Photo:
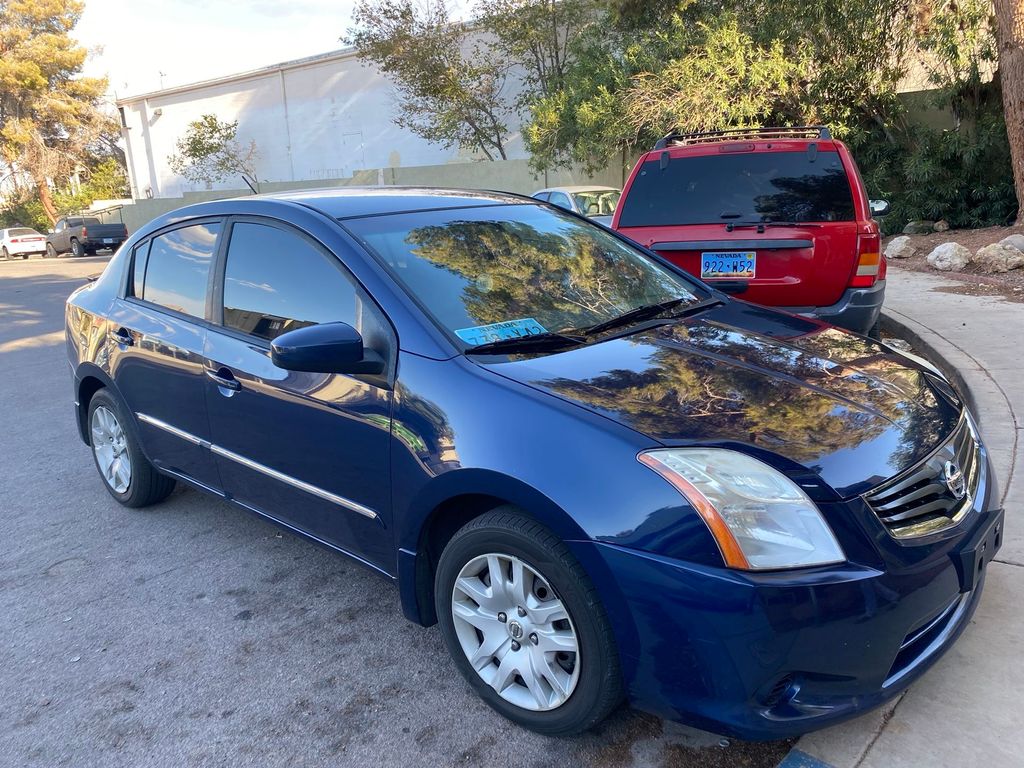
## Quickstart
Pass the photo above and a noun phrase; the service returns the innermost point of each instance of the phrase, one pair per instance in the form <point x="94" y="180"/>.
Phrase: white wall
<point x="322" y="119"/>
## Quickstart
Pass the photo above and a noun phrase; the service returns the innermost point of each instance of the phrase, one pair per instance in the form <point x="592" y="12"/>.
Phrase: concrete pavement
<point x="966" y="710"/>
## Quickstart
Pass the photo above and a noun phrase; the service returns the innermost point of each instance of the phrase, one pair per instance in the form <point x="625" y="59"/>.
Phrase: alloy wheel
<point x="516" y="632"/>
<point x="110" y="446"/>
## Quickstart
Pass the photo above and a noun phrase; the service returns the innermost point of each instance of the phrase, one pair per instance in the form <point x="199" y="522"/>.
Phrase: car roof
<point x="578" y="188"/>
<point x="355" y="202"/>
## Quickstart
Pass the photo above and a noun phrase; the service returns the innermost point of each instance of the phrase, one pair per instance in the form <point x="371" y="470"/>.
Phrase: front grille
<point x="919" y="501"/>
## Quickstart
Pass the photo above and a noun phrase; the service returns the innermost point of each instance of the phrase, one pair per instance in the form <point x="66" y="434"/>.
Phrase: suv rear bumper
<point x="857" y="310"/>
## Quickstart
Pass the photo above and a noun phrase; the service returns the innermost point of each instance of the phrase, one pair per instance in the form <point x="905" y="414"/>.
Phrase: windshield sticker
<point x="510" y="329"/>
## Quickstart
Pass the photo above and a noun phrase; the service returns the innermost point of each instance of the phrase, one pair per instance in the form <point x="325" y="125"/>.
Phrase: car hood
<point x="848" y="409"/>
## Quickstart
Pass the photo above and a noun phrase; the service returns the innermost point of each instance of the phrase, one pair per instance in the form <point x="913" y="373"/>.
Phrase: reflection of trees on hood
<point x="687" y="395"/>
<point x="516" y="271"/>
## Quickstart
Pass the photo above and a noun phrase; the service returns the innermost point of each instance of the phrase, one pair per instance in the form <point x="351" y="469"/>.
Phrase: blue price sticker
<point x="510" y="329"/>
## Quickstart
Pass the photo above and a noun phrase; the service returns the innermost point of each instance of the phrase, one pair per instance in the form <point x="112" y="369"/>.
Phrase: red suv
<point x="779" y="216"/>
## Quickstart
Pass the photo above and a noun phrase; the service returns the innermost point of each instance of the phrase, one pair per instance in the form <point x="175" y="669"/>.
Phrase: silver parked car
<point x="594" y="202"/>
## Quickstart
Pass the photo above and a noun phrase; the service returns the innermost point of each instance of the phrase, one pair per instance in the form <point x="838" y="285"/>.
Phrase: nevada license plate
<point x="727" y="264"/>
<point x="108" y="240"/>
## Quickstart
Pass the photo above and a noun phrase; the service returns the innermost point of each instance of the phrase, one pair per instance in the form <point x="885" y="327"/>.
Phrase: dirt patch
<point x="971" y="281"/>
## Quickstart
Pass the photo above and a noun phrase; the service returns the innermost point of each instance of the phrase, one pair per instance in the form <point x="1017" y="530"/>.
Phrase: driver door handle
<point x="222" y="377"/>
<point x="121" y="336"/>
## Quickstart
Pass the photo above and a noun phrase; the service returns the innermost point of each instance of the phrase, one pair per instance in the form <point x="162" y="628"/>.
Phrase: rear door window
<point x="739" y="187"/>
<point x="178" y="268"/>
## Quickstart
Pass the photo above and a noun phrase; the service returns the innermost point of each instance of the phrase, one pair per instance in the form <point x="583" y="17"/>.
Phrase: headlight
<point x="760" y="518"/>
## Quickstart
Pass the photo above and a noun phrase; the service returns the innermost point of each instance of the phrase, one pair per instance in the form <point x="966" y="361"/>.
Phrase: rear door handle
<point x="121" y="336"/>
<point x="222" y="377"/>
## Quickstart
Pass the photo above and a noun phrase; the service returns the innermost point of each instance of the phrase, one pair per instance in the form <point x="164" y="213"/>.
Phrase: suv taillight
<point x="870" y="261"/>
<point x="85" y="232"/>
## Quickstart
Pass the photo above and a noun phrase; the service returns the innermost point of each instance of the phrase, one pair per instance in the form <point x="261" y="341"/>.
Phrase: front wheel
<point x="51" y="252"/>
<point x="525" y="626"/>
<point x="6" y="254"/>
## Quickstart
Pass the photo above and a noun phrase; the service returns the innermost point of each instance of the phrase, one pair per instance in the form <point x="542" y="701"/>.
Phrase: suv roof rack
<point x="739" y="134"/>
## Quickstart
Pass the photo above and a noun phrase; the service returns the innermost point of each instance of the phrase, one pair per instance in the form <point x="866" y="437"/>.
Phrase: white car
<point x="21" y="241"/>
<point x="596" y="203"/>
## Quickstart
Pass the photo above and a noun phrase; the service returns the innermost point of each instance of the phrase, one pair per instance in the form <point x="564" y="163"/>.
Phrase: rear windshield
<point x="21" y="231"/>
<point x="741" y="187"/>
<point x="88" y="222"/>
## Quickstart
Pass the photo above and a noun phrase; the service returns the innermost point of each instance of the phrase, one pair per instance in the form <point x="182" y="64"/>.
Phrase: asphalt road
<point x="195" y="634"/>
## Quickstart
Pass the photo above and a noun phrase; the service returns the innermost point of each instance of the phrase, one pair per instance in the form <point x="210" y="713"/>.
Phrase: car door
<point x="57" y="238"/>
<point x="155" y="342"/>
<point x="308" y="449"/>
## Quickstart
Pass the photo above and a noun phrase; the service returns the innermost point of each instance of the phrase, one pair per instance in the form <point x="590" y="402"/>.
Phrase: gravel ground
<point x="972" y="281"/>
<point x="194" y="634"/>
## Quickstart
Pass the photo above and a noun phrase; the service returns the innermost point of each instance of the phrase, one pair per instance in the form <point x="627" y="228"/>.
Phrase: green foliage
<point x="209" y="152"/>
<point x="51" y="118"/>
<point x="24" y="210"/>
<point x="450" y="91"/>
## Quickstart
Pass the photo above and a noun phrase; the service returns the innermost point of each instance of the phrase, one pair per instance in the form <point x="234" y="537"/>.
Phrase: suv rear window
<point x="739" y="187"/>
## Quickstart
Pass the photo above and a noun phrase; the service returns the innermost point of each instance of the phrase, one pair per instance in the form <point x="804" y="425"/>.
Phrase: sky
<point x="190" y="40"/>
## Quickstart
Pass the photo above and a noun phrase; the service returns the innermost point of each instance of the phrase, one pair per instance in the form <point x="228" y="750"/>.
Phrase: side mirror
<point x="325" y="348"/>
<point x="49" y="231"/>
<point x="878" y="207"/>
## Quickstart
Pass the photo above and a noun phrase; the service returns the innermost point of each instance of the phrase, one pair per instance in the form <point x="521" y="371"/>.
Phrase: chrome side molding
<point x="314" y="490"/>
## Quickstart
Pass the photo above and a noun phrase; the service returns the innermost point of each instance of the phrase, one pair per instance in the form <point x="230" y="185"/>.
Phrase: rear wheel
<point x="77" y="249"/>
<point x="126" y="473"/>
<point x="525" y="626"/>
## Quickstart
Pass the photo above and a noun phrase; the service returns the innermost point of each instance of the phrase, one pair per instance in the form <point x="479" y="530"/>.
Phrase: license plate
<point x="727" y="264"/>
<point x="108" y="240"/>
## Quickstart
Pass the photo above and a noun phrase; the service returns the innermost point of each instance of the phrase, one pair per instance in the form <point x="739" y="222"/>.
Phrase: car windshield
<point x="597" y="202"/>
<point x="499" y="272"/>
<point x="745" y="186"/>
<point x="21" y="231"/>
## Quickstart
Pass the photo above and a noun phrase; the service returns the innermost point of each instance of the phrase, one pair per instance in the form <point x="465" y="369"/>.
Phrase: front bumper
<point x="774" y="655"/>
<point x="858" y="309"/>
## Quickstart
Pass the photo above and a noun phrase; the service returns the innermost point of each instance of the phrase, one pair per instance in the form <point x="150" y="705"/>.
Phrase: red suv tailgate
<point x="789" y="203"/>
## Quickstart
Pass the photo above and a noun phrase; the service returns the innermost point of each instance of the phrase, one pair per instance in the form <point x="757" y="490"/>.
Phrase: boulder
<point x="941" y="225"/>
<point x="1015" y="241"/>
<point x="949" y="257"/>
<point x="999" y="258"/>
<point x="900" y="248"/>
<point x="918" y="228"/>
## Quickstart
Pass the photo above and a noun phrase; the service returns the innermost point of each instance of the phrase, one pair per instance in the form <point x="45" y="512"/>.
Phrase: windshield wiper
<point x="537" y="342"/>
<point x="648" y="312"/>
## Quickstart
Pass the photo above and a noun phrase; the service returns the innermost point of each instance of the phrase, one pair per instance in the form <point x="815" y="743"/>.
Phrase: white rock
<point x="1014" y="241"/>
<point x="900" y="248"/>
<point x="999" y="258"/>
<point x="949" y="257"/>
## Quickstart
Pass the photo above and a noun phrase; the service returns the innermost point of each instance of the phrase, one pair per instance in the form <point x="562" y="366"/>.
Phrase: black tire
<point x="5" y="254"/>
<point x="51" y="252"/>
<point x="76" y="248"/>
<point x="147" y="486"/>
<point x="507" y="530"/>
<point x="25" y="256"/>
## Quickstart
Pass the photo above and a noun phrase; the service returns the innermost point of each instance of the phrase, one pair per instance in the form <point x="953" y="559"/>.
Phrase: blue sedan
<point x="603" y="478"/>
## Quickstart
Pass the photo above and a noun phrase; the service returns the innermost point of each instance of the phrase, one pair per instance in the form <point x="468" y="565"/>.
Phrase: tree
<point x="1010" y="37"/>
<point x="450" y="89"/>
<point x="50" y="116"/>
<point x="209" y="152"/>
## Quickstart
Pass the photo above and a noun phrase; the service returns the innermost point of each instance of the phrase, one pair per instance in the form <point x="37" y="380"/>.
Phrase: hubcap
<point x="111" y="449"/>
<point x="532" y="660"/>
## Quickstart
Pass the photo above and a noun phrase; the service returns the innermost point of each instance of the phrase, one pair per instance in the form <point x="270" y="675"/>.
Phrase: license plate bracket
<point x="970" y="561"/>
<point x="728" y="265"/>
